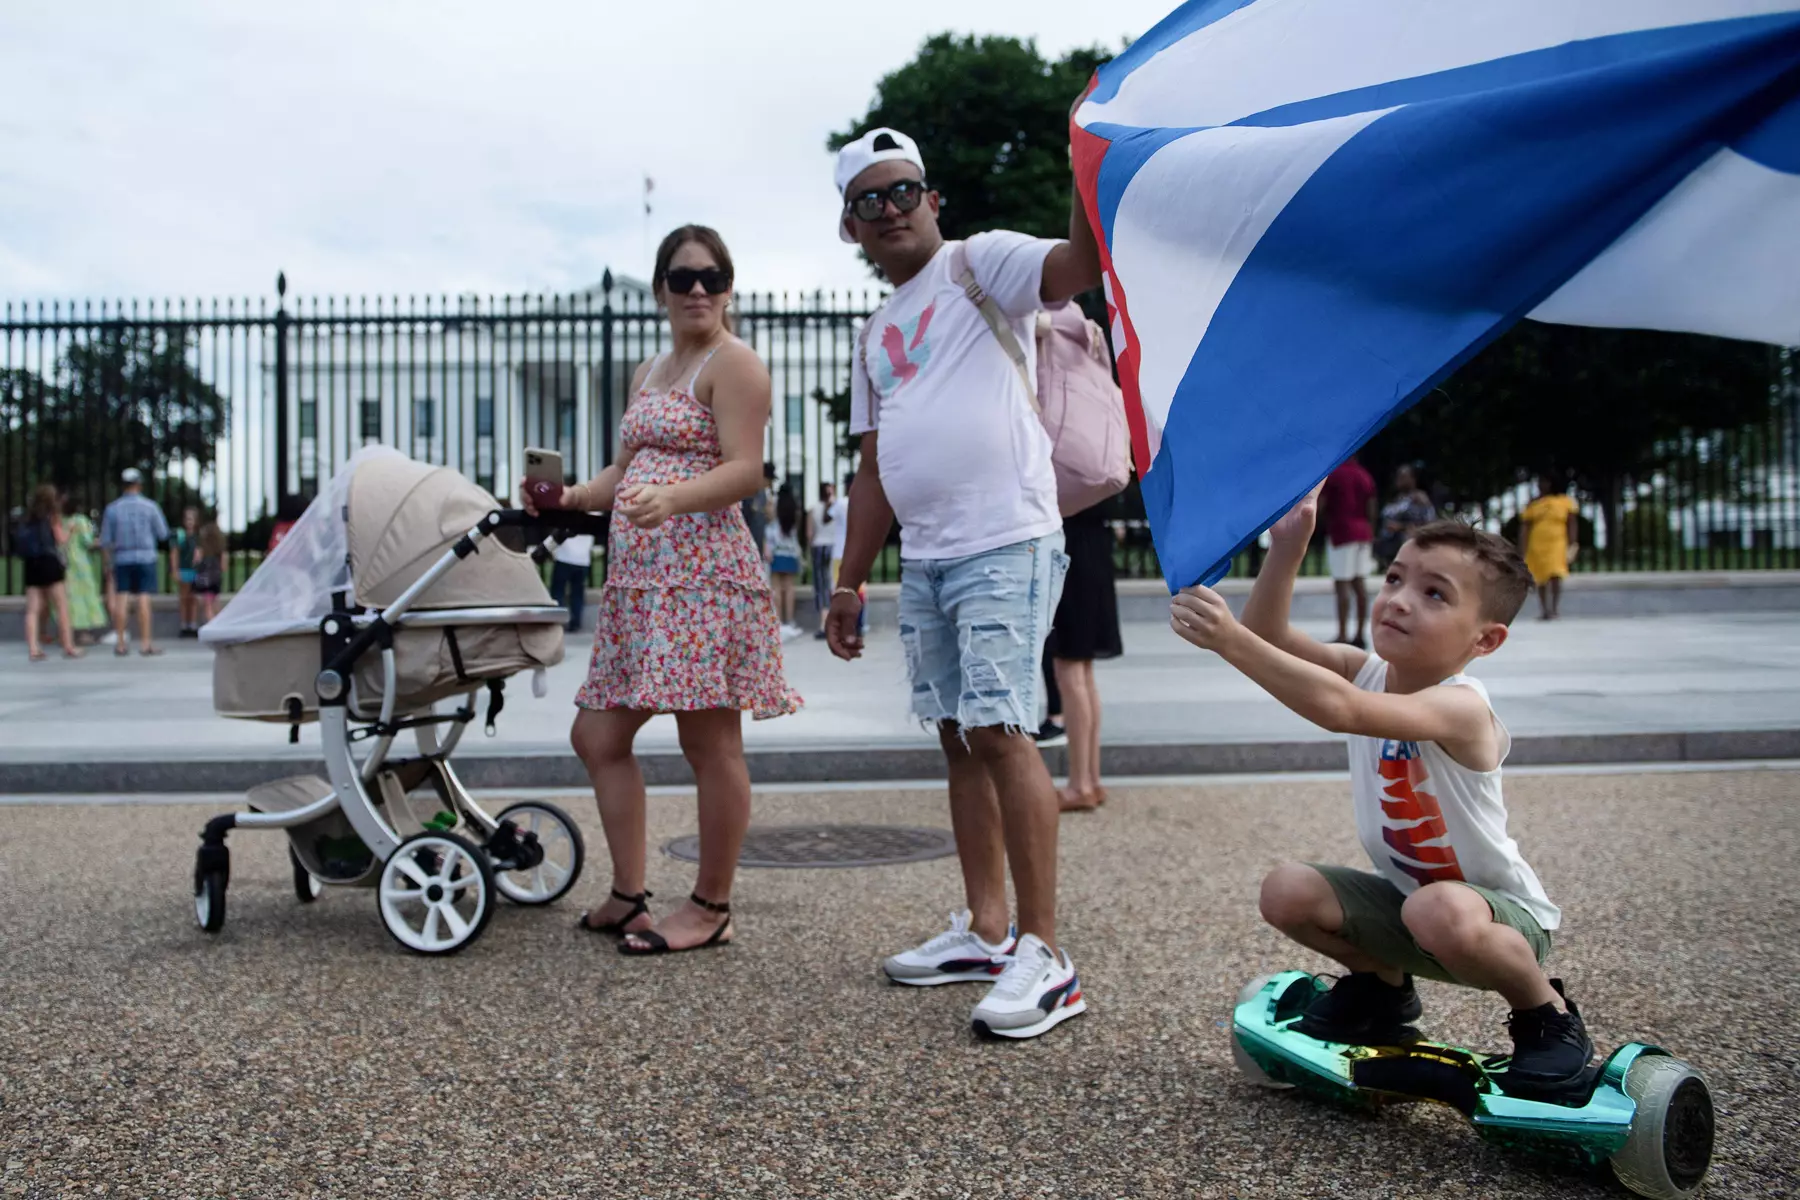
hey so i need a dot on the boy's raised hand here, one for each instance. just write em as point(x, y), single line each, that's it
point(1296, 527)
point(1201, 616)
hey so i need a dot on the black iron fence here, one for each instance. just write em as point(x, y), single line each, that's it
point(242, 409)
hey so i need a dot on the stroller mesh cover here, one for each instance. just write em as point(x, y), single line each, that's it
point(374, 529)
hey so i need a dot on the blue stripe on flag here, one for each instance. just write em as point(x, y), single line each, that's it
point(1192, 16)
point(1426, 236)
point(1532, 67)
point(1776, 142)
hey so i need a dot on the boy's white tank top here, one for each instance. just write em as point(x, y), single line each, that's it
point(1423, 817)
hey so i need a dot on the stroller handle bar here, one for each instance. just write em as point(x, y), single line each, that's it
point(352, 638)
point(562, 521)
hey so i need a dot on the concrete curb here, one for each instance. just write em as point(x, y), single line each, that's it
point(850, 764)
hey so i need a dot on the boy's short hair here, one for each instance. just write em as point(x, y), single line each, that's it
point(1505, 580)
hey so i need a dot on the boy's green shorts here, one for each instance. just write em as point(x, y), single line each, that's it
point(1372, 921)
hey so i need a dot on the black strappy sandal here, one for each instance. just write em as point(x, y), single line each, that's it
point(617, 928)
point(659, 945)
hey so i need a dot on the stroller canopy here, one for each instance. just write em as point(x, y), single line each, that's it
point(376, 527)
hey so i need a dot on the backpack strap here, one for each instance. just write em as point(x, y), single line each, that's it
point(862, 364)
point(996, 320)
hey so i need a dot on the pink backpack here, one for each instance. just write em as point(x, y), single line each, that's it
point(1080, 406)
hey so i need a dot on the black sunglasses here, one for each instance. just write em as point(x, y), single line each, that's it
point(681, 280)
point(904, 196)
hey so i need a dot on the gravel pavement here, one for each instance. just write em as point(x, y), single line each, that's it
point(302, 1052)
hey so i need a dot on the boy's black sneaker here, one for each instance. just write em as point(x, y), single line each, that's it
point(1550, 1049)
point(1360, 1009)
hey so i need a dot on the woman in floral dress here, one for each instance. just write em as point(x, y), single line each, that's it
point(684, 624)
point(86, 612)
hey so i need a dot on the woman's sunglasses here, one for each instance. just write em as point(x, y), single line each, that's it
point(681, 280)
point(904, 196)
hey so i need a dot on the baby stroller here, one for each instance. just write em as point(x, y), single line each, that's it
point(402, 585)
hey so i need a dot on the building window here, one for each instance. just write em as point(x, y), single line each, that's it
point(796, 416)
point(309, 418)
point(484, 416)
point(371, 420)
point(565, 423)
point(424, 418)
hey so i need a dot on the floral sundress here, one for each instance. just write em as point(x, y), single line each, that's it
point(685, 621)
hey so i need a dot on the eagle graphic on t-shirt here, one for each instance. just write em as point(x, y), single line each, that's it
point(904, 351)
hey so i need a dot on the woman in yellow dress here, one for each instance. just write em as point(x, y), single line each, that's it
point(1549, 536)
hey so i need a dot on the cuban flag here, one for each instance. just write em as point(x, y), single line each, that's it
point(1312, 211)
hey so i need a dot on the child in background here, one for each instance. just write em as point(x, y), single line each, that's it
point(1451, 897)
point(209, 571)
point(783, 555)
point(184, 552)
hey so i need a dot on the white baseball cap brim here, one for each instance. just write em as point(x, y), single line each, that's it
point(876, 146)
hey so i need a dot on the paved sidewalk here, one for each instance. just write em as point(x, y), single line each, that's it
point(300, 1052)
point(1722, 685)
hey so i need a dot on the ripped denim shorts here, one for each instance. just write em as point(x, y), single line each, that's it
point(974, 631)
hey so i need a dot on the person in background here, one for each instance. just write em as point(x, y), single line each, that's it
point(184, 550)
point(840, 529)
point(572, 564)
point(1409, 509)
point(783, 556)
point(760, 507)
point(87, 608)
point(42, 540)
point(131, 528)
point(286, 513)
point(1348, 502)
point(1086, 627)
point(820, 534)
point(209, 571)
point(1549, 538)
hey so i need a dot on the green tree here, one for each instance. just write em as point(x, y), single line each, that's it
point(126, 397)
point(1606, 409)
point(991, 116)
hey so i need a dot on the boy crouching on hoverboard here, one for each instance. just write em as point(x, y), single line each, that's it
point(1451, 897)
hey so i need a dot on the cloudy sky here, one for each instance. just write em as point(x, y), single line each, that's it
point(192, 148)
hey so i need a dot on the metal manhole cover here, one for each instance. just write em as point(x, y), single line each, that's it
point(829, 846)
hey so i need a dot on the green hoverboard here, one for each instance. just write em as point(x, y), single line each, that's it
point(1647, 1114)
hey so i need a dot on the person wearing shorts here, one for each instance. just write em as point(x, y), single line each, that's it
point(130, 531)
point(952, 448)
point(1372, 922)
point(1348, 505)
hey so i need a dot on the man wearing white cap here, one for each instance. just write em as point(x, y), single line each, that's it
point(130, 530)
point(952, 448)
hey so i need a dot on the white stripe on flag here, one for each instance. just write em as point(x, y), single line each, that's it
point(1719, 254)
point(1187, 221)
point(1303, 49)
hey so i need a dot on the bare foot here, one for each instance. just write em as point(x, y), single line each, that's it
point(1079, 799)
point(685, 928)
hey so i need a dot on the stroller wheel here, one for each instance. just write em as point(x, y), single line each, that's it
point(559, 842)
point(307, 887)
point(436, 893)
point(209, 900)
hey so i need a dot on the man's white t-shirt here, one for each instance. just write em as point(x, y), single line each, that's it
point(964, 461)
point(1425, 818)
point(577, 550)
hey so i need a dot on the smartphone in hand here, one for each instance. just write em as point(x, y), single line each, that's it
point(544, 477)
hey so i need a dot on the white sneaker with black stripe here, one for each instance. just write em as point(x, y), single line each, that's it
point(1037, 992)
point(957, 955)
